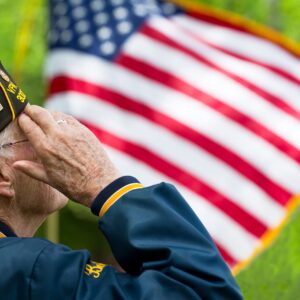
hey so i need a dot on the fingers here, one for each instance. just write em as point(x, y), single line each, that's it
point(41, 117)
point(31, 130)
point(32, 169)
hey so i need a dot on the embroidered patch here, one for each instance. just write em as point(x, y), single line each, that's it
point(94, 269)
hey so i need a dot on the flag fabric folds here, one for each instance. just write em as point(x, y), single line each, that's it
point(187, 96)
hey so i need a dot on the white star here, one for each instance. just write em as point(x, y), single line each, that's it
point(169, 8)
point(79, 12)
point(140, 10)
point(107, 48)
point(63, 23)
point(86, 40)
point(120, 13)
point(101, 18)
point(97, 5)
point(124, 27)
point(82, 26)
point(66, 36)
point(104, 33)
point(60, 9)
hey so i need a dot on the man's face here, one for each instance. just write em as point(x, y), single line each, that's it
point(31, 196)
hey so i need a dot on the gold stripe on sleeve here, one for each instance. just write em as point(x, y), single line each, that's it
point(117, 195)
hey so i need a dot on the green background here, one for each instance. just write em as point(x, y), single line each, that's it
point(273, 275)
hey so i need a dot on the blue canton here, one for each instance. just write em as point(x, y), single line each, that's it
point(100, 27)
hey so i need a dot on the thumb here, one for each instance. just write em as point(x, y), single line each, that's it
point(32, 169)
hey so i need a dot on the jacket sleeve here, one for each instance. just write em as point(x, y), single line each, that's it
point(157, 239)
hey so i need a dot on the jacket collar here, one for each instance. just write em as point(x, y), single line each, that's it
point(6, 231)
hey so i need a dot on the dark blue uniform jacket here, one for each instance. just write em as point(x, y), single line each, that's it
point(157, 239)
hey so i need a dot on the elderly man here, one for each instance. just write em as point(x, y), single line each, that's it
point(166, 252)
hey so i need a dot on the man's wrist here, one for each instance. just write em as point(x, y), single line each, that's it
point(96, 186)
point(113, 192)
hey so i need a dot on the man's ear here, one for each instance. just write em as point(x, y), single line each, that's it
point(6, 186)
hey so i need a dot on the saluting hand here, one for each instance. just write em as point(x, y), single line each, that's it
point(70, 157)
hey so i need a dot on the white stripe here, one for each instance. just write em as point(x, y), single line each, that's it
point(215, 84)
point(162, 142)
point(259, 76)
point(277, 166)
point(245, 44)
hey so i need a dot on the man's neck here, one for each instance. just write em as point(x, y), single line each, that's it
point(24, 226)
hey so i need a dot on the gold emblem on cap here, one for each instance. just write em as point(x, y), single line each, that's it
point(4, 76)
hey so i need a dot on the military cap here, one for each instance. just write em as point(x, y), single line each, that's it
point(12, 99)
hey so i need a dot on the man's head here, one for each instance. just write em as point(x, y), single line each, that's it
point(20, 194)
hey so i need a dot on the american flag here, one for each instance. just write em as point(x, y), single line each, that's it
point(200, 99)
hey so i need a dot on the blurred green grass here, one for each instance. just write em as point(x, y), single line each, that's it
point(274, 274)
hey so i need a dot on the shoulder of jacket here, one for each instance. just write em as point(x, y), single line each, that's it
point(22, 247)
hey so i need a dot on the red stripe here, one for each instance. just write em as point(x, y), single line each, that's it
point(247, 221)
point(62, 84)
point(229, 259)
point(227, 24)
point(278, 71)
point(274, 100)
point(184, 87)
